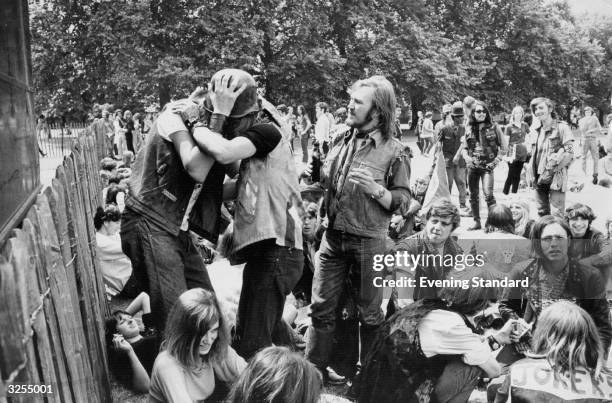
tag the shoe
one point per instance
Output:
(331, 377)
(475, 226)
(465, 211)
(594, 179)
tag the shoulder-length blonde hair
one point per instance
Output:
(520, 225)
(517, 108)
(191, 317)
(568, 337)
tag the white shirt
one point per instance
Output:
(445, 333)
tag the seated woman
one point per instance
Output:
(116, 266)
(565, 363)
(431, 349)
(554, 275)
(195, 351)
(520, 214)
(131, 355)
(276, 374)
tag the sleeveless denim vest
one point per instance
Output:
(483, 146)
(269, 204)
(160, 190)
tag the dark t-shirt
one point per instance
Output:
(146, 350)
(265, 137)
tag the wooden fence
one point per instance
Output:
(52, 299)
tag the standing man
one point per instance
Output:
(446, 119)
(339, 127)
(553, 152)
(449, 140)
(103, 129)
(267, 219)
(174, 188)
(590, 128)
(322, 127)
(398, 125)
(367, 177)
(419, 130)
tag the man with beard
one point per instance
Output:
(366, 174)
(428, 246)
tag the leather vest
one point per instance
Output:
(483, 146)
(269, 205)
(160, 190)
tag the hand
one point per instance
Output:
(469, 161)
(198, 95)
(403, 302)
(121, 344)
(223, 93)
(506, 334)
(364, 179)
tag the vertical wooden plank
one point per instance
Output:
(48, 324)
(24, 251)
(13, 332)
(19, 262)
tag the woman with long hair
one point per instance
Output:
(303, 130)
(278, 375)
(195, 351)
(516, 131)
(564, 363)
(482, 151)
(520, 214)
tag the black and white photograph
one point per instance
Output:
(314, 201)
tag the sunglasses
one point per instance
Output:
(479, 111)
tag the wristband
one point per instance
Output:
(379, 194)
(494, 344)
(216, 123)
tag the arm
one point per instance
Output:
(140, 377)
(196, 163)
(502, 148)
(140, 303)
(491, 368)
(223, 150)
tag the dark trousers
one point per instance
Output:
(168, 265)
(514, 176)
(304, 142)
(129, 141)
(269, 275)
(339, 253)
(475, 177)
(457, 382)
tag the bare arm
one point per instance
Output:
(196, 163)
(223, 150)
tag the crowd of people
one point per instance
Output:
(218, 169)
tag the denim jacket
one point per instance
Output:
(349, 209)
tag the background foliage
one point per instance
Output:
(134, 53)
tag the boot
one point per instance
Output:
(465, 211)
(594, 179)
(476, 225)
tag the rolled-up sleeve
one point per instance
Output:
(398, 182)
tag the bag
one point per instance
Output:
(602, 151)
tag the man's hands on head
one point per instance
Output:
(223, 92)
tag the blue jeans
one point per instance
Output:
(475, 176)
(342, 255)
(168, 264)
(271, 272)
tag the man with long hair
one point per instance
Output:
(366, 175)
(553, 151)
